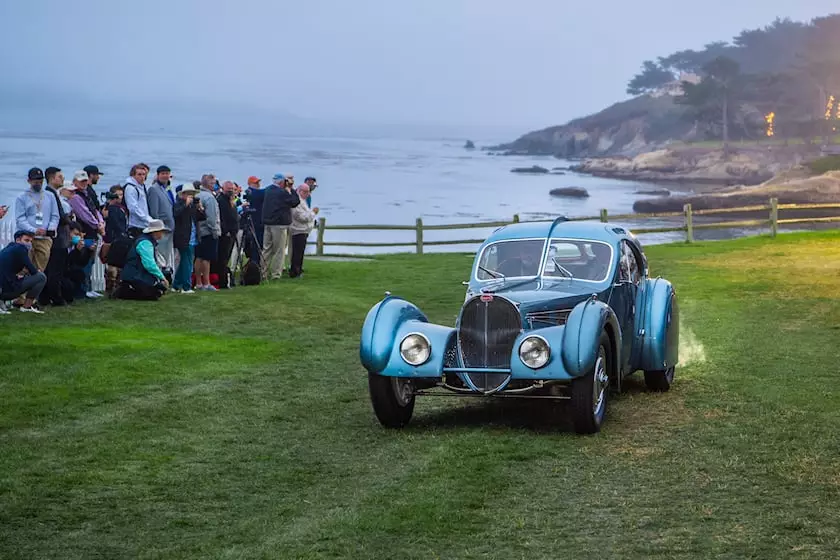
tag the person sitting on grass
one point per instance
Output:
(142, 278)
(14, 259)
(80, 256)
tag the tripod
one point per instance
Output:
(249, 236)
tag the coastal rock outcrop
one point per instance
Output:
(533, 169)
(571, 192)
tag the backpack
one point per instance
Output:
(252, 274)
(118, 252)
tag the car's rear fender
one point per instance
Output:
(661, 339)
(582, 333)
(380, 330)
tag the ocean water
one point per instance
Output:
(362, 180)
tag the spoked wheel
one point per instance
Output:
(392, 399)
(659, 380)
(590, 392)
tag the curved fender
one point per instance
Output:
(380, 329)
(660, 345)
(582, 333)
(440, 338)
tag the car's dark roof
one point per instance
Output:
(598, 231)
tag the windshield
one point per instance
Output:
(578, 259)
(510, 259)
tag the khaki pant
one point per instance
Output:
(274, 249)
(40, 253)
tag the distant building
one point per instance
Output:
(675, 88)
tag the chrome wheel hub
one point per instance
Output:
(600, 383)
(403, 390)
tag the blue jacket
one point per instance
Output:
(13, 259)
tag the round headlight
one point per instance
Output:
(415, 349)
(534, 352)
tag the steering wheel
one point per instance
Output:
(499, 266)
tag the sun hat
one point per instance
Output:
(156, 225)
(187, 188)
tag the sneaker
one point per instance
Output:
(32, 309)
(187, 291)
(92, 295)
(3, 309)
(211, 288)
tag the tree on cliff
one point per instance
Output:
(820, 64)
(649, 79)
(710, 101)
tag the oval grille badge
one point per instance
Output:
(486, 298)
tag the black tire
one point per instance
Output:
(588, 408)
(393, 410)
(659, 380)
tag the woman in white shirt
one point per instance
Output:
(303, 220)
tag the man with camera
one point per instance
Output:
(280, 198)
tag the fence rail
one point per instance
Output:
(772, 221)
(688, 226)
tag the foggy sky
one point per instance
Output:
(525, 63)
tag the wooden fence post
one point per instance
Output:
(689, 224)
(774, 217)
(516, 218)
(604, 216)
(319, 244)
(419, 236)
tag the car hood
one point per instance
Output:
(543, 295)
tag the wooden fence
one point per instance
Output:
(772, 221)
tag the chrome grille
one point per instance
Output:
(486, 333)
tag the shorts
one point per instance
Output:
(207, 249)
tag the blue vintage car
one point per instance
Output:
(561, 310)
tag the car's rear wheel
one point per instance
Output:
(590, 392)
(659, 380)
(392, 399)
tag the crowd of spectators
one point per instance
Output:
(153, 236)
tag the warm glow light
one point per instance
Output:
(829, 108)
(769, 118)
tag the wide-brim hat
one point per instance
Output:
(156, 225)
(187, 188)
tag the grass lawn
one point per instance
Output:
(237, 425)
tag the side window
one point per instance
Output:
(630, 269)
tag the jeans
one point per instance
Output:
(183, 276)
(31, 285)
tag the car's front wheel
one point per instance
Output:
(392, 399)
(659, 380)
(589, 393)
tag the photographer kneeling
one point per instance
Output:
(141, 276)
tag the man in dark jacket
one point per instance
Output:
(142, 278)
(229, 219)
(255, 197)
(14, 258)
(280, 198)
(187, 213)
(52, 293)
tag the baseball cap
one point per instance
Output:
(36, 174)
(92, 170)
(253, 179)
(81, 176)
(68, 185)
(278, 176)
(163, 169)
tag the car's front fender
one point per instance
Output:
(380, 330)
(582, 333)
